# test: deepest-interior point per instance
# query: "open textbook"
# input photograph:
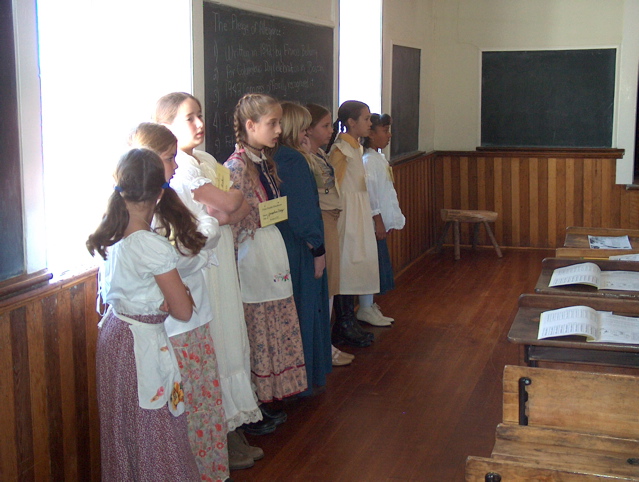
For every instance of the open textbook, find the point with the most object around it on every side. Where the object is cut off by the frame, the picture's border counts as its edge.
(595, 325)
(592, 275)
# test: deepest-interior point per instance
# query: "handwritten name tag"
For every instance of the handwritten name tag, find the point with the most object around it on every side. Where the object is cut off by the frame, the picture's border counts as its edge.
(273, 211)
(222, 177)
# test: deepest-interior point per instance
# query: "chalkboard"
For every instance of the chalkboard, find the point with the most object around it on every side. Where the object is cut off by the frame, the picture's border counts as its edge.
(11, 237)
(405, 100)
(548, 98)
(247, 52)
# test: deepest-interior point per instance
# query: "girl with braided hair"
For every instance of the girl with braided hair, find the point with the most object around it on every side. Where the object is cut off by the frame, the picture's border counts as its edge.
(277, 359)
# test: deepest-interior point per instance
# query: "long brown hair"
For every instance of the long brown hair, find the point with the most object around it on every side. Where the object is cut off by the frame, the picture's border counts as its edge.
(167, 106)
(153, 136)
(139, 178)
(253, 107)
(351, 109)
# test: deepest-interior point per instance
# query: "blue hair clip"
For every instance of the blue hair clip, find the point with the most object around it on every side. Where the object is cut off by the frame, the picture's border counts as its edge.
(165, 185)
(118, 188)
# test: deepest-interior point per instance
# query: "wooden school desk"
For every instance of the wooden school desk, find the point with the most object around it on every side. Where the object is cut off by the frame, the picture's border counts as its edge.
(549, 265)
(570, 349)
(576, 244)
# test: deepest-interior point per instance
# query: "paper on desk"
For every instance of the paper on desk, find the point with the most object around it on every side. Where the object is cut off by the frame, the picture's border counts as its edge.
(609, 242)
(625, 257)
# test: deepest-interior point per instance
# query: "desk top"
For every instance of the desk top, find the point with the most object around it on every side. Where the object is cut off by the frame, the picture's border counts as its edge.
(525, 325)
(549, 265)
(576, 242)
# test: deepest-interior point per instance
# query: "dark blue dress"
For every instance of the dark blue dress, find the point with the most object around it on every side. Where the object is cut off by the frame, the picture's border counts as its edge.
(304, 225)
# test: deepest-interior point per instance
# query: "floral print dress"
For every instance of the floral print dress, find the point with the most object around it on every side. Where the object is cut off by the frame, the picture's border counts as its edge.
(277, 357)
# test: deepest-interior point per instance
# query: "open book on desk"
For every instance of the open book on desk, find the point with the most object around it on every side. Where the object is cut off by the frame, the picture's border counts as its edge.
(601, 326)
(592, 275)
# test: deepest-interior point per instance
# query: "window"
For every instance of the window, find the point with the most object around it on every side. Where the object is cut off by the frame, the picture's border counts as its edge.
(360, 52)
(103, 66)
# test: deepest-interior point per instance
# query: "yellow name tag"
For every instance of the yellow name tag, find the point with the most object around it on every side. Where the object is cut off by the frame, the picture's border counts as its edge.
(222, 177)
(273, 211)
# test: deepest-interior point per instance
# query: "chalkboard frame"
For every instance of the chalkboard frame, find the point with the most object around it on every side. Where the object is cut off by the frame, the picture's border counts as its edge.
(405, 100)
(286, 58)
(558, 98)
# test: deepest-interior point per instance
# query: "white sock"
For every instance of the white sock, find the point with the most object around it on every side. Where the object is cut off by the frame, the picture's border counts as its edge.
(365, 301)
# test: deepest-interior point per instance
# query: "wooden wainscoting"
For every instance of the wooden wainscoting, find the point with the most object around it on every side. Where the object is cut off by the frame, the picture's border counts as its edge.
(49, 419)
(536, 193)
(414, 182)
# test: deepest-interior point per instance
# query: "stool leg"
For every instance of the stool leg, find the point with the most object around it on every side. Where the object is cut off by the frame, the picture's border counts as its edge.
(475, 235)
(492, 238)
(441, 239)
(456, 232)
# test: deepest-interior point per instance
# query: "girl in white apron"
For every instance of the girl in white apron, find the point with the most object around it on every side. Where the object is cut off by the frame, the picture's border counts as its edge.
(143, 427)
(277, 358)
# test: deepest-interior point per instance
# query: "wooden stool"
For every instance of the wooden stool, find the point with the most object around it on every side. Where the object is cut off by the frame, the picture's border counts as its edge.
(456, 216)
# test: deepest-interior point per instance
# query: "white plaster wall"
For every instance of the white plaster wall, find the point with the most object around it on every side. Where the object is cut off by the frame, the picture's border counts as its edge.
(410, 23)
(463, 28)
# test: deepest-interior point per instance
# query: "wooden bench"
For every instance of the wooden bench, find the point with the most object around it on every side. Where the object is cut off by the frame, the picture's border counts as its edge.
(456, 216)
(564, 425)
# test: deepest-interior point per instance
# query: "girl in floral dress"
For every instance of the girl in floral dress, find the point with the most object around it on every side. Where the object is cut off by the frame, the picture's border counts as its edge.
(192, 342)
(277, 358)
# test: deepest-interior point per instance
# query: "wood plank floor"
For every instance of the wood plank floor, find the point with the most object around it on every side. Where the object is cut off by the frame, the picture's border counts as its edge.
(426, 395)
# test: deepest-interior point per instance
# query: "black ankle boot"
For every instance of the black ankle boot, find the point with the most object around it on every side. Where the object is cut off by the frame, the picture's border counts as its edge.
(344, 330)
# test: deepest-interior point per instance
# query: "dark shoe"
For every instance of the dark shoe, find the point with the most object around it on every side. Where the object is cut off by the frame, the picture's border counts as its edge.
(277, 416)
(259, 428)
(346, 329)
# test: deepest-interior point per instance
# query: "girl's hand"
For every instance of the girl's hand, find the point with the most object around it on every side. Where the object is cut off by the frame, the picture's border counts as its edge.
(320, 264)
(306, 145)
(165, 306)
(380, 229)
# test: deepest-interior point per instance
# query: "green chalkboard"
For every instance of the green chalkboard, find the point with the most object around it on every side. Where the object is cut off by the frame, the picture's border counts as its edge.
(405, 95)
(12, 259)
(548, 98)
(251, 52)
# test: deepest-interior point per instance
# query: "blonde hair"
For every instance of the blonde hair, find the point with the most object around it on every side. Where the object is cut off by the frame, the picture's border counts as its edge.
(295, 119)
(153, 136)
(253, 107)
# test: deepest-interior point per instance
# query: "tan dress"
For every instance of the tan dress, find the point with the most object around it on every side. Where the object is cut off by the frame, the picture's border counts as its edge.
(359, 270)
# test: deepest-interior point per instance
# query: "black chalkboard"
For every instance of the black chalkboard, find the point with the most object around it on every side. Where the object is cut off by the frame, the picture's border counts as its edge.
(549, 98)
(11, 238)
(405, 100)
(247, 52)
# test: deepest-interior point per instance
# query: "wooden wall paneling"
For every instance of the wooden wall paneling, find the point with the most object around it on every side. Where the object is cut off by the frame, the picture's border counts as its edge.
(578, 203)
(22, 394)
(570, 196)
(498, 199)
(54, 398)
(481, 191)
(523, 202)
(542, 205)
(39, 390)
(10, 410)
(464, 196)
(533, 208)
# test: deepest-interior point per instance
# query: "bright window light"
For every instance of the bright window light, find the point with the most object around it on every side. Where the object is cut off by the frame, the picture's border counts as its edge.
(103, 66)
(360, 52)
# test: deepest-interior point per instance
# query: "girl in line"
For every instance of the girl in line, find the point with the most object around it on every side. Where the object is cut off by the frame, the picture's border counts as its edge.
(385, 210)
(319, 134)
(194, 181)
(303, 234)
(143, 427)
(277, 358)
(359, 272)
(192, 342)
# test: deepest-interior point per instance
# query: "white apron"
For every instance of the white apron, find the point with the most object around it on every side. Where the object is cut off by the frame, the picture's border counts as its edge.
(263, 267)
(158, 374)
